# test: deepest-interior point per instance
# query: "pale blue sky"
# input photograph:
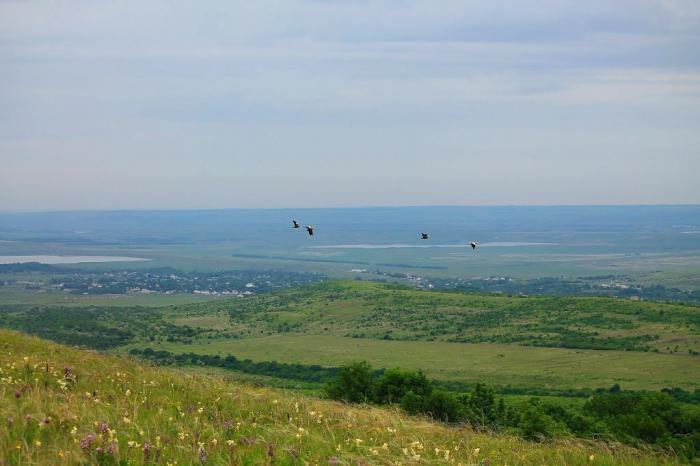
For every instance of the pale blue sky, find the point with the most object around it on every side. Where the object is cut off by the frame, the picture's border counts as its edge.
(188, 104)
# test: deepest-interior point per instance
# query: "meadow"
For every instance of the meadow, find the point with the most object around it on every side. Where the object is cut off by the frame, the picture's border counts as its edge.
(66, 406)
(536, 344)
(495, 364)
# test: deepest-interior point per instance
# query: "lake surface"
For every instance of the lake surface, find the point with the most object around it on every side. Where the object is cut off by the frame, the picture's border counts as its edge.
(66, 259)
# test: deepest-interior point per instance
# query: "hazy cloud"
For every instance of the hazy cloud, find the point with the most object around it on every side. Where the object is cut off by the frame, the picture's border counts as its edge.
(280, 103)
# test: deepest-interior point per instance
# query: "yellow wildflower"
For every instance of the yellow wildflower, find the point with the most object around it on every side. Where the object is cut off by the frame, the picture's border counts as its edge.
(37, 443)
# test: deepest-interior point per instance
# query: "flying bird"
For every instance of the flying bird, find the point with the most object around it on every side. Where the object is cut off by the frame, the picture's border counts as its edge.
(424, 236)
(295, 224)
(473, 244)
(310, 229)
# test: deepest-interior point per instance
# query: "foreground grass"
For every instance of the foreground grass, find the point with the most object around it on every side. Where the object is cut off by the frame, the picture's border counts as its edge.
(68, 406)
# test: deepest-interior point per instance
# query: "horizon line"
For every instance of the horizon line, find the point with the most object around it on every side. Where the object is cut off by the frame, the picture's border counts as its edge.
(403, 206)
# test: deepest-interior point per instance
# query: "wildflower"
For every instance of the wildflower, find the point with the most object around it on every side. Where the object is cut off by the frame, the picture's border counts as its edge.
(391, 430)
(358, 441)
(274, 402)
(271, 451)
(37, 443)
(87, 442)
(214, 441)
(200, 410)
(202, 454)
(126, 420)
(147, 451)
(476, 451)
(385, 446)
(182, 435)
(333, 460)
(158, 441)
(374, 451)
(104, 428)
(591, 458)
(230, 443)
(60, 454)
(99, 450)
(74, 430)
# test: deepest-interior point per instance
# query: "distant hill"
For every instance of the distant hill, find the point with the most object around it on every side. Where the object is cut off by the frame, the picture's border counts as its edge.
(65, 406)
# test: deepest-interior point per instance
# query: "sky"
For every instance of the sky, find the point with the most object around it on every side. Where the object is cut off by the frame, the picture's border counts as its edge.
(310, 103)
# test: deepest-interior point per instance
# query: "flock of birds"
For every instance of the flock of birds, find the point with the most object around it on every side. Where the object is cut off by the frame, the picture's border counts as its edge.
(310, 231)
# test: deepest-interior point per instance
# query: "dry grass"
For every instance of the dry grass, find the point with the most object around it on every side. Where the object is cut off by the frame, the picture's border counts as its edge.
(65, 406)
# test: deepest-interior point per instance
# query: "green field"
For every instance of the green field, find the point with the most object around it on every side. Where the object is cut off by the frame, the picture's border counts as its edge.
(495, 364)
(12, 295)
(388, 312)
(537, 343)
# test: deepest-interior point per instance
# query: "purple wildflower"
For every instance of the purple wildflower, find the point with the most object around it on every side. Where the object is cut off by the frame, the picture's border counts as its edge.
(147, 451)
(87, 442)
(202, 455)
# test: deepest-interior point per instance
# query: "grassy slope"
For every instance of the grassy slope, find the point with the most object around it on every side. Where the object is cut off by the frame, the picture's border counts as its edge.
(184, 416)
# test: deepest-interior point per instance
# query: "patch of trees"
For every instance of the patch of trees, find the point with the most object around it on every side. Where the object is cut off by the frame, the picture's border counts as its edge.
(637, 418)
(94, 327)
(307, 373)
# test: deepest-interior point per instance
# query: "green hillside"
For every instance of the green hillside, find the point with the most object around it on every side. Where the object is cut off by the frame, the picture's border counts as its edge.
(522, 343)
(64, 406)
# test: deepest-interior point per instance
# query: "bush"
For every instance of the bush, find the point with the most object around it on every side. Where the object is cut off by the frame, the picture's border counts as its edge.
(394, 384)
(355, 383)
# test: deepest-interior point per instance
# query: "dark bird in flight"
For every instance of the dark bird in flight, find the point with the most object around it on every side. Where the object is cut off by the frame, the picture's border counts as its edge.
(424, 236)
(295, 224)
(473, 244)
(310, 229)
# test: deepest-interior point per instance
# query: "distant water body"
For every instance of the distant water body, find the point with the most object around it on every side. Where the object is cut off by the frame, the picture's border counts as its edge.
(495, 244)
(66, 259)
